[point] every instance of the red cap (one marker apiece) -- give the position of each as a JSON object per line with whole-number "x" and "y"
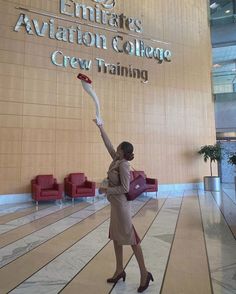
{"x": 84, "y": 78}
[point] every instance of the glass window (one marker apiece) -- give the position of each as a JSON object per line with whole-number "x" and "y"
{"x": 223, "y": 8}
{"x": 224, "y": 69}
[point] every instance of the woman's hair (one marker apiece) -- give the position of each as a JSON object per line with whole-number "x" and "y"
{"x": 128, "y": 150}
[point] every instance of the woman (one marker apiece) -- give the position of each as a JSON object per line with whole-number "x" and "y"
{"x": 122, "y": 231}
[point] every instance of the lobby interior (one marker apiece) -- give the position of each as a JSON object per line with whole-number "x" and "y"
{"x": 176, "y": 95}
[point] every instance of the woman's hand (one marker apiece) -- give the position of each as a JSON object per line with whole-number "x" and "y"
{"x": 102, "y": 190}
{"x": 98, "y": 125}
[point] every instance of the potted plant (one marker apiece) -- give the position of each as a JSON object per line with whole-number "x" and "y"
{"x": 232, "y": 161}
{"x": 212, "y": 153}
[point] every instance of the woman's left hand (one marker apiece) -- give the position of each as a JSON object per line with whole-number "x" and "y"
{"x": 102, "y": 190}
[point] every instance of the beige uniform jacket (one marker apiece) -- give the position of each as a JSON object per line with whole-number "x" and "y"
{"x": 121, "y": 227}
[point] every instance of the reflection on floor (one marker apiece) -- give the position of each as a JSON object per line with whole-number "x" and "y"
{"x": 229, "y": 189}
{"x": 188, "y": 240}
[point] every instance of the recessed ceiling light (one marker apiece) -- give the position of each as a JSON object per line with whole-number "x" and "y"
{"x": 216, "y": 65}
{"x": 227, "y": 11}
{"x": 214, "y": 5}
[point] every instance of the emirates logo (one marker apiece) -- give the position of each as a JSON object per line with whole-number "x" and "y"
{"x": 107, "y": 4}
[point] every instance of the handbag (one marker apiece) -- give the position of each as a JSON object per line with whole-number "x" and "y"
{"x": 137, "y": 187}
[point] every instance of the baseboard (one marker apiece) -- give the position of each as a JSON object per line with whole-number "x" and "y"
{"x": 180, "y": 187}
{"x": 20, "y": 198}
{"x": 15, "y": 198}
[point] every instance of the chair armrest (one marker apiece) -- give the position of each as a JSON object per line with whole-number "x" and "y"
{"x": 36, "y": 189}
{"x": 69, "y": 187}
{"x": 58, "y": 187}
{"x": 90, "y": 184}
{"x": 66, "y": 181}
{"x": 151, "y": 181}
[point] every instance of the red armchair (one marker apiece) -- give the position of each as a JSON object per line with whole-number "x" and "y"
{"x": 77, "y": 185}
{"x": 152, "y": 184}
{"x": 45, "y": 187}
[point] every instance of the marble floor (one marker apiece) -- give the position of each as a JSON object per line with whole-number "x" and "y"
{"x": 188, "y": 240}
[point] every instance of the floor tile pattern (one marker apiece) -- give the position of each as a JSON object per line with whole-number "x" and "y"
{"x": 188, "y": 241}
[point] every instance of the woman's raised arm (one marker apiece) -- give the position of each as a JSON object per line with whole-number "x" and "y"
{"x": 106, "y": 140}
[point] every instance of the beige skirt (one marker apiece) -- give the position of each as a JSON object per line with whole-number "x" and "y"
{"x": 121, "y": 228}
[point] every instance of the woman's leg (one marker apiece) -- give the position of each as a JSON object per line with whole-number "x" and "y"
{"x": 139, "y": 256}
{"x": 119, "y": 273}
{"x": 119, "y": 258}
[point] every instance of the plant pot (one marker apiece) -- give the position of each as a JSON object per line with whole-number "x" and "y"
{"x": 212, "y": 183}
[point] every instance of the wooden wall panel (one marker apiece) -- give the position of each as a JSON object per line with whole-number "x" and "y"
{"x": 46, "y": 117}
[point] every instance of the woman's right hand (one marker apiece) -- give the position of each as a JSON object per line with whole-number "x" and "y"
{"x": 98, "y": 125}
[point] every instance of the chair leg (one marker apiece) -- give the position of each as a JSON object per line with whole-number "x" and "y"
{"x": 156, "y": 194}
{"x": 73, "y": 200}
